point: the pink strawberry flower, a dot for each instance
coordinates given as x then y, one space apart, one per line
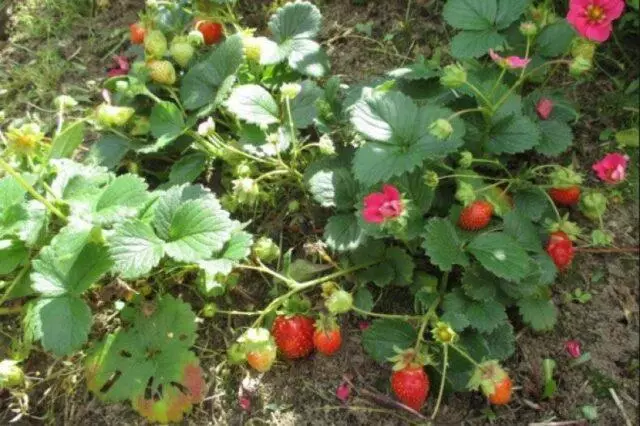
573 348
245 403
343 392
381 206
544 108
593 19
511 62
363 325
120 67
612 168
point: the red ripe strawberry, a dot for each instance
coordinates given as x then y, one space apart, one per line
294 335
137 33
211 31
561 250
262 359
475 216
502 392
558 236
411 386
327 338
567 196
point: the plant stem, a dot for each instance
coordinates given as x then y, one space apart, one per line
386 316
27 187
464 354
271 173
275 303
555 208
426 318
292 127
239 313
15 282
10 311
445 365
465 111
475 90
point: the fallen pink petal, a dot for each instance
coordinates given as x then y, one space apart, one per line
544 108
612 168
363 325
121 67
343 392
573 348
245 403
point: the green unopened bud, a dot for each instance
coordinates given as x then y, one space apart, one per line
290 90
196 38
266 250
339 302
466 159
65 101
454 76
207 127
528 29
246 190
579 66
465 193
252 48
113 116
441 129
443 333
601 238
236 354
293 206
11 375
326 145
583 48
243 169
141 126
593 205
431 179
122 86
209 310
25 138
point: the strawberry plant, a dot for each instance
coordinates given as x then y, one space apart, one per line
437 182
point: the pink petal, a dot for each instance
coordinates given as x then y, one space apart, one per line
245 403
544 108
599 32
517 62
391 192
573 348
116 72
363 325
496 58
612 8
375 200
343 392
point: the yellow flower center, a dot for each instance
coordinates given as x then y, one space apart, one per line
595 14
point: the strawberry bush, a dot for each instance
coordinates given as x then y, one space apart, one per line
444 182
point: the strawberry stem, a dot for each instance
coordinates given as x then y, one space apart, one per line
445 365
465 355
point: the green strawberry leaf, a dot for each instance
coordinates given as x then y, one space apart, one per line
485 316
470 14
65 143
211 276
166 123
343 232
108 151
501 255
238 247
442 244
521 229
303 106
513 134
254 104
300 20
384 335
122 198
187 168
332 184
540 314
135 249
473 44
509 11
12 255
61 324
555 39
556 138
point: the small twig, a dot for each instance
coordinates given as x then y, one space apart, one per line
616 399
609 250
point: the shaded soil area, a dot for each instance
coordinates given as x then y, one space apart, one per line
304 392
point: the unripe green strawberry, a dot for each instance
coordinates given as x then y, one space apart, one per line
266 250
155 44
162 72
339 302
114 116
11 375
182 51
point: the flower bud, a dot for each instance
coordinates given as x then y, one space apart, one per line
25 138
465 193
207 127
593 205
196 38
601 238
11 375
326 145
290 90
293 206
583 48
209 310
441 129
544 108
528 29
466 159
113 116
266 250
339 302
243 169
431 179
252 48
579 66
246 190
573 348
65 101
141 126
454 76
443 333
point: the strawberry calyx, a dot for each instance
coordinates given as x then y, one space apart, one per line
565 177
486 377
410 359
326 323
295 306
571 230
